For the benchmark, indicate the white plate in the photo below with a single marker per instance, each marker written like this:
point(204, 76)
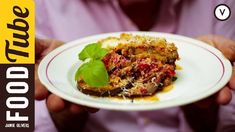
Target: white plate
point(205, 71)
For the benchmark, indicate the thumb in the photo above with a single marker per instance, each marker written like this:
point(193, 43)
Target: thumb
point(44, 46)
point(225, 45)
point(40, 46)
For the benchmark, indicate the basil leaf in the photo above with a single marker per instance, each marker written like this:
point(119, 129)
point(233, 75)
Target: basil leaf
point(95, 74)
point(93, 51)
point(79, 71)
point(102, 52)
point(89, 51)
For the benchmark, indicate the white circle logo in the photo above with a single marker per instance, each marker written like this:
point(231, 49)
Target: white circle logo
point(222, 12)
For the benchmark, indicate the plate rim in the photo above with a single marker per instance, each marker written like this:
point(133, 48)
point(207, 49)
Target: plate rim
point(225, 78)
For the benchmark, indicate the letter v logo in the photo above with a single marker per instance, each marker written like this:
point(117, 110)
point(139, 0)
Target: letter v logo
point(222, 12)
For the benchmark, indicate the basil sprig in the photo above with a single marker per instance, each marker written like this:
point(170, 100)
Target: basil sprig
point(93, 72)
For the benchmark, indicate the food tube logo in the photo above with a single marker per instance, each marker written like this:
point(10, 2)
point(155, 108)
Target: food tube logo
point(222, 12)
point(19, 24)
point(17, 65)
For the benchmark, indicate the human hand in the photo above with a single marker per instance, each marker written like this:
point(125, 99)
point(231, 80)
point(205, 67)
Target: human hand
point(203, 115)
point(227, 47)
point(65, 115)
